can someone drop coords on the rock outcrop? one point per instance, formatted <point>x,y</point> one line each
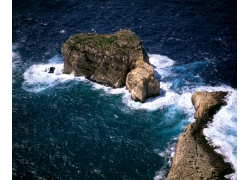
<point>194,158</point>
<point>108,58</point>
<point>50,69</point>
<point>105,59</point>
<point>141,82</point>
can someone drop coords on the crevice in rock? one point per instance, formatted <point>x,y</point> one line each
<point>98,65</point>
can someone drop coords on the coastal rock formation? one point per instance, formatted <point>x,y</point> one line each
<point>105,59</point>
<point>141,82</point>
<point>194,157</point>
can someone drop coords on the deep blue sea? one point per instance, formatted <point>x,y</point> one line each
<point>65,127</point>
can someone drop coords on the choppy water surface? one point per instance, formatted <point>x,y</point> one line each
<point>71,128</point>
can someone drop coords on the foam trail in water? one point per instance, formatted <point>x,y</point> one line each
<point>16,58</point>
<point>106,89</point>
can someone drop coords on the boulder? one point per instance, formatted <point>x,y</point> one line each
<point>194,158</point>
<point>51,70</point>
<point>141,82</point>
<point>105,59</point>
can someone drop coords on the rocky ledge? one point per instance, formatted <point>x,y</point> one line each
<point>108,59</point>
<point>194,158</point>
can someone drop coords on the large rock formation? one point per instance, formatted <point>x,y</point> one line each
<point>108,58</point>
<point>141,82</point>
<point>194,157</point>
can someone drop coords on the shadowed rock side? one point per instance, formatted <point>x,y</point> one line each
<point>194,158</point>
<point>105,59</point>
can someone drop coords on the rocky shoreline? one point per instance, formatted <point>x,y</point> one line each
<point>194,158</point>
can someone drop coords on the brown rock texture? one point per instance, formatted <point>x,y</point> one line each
<point>141,82</point>
<point>194,158</point>
<point>105,59</point>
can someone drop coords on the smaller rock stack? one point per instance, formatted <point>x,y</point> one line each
<point>141,82</point>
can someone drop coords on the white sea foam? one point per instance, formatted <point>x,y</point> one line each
<point>160,174</point>
<point>37,78</point>
<point>160,64</point>
<point>185,105</point>
<point>166,98</point>
<point>106,89</point>
<point>222,131</point>
<point>160,61</point>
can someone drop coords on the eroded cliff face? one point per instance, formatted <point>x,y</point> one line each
<point>194,157</point>
<point>107,59</point>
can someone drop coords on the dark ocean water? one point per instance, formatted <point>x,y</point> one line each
<point>70,128</point>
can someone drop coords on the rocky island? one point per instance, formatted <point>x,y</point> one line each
<point>194,158</point>
<point>111,59</point>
